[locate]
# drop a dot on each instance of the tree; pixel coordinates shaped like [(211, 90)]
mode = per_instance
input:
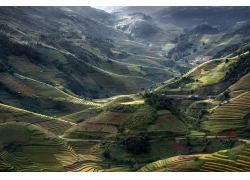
[(226, 95), (136, 144), (106, 153)]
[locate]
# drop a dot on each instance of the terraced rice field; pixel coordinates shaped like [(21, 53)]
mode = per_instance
[(39, 153), (22, 85), (170, 162), (113, 118), (82, 115), (73, 162), (217, 162), (84, 166), (53, 92), (118, 169), (167, 121), (12, 114), (19, 161), (22, 63), (229, 115), (15, 84), (82, 147), (91, 130), (5, 167)]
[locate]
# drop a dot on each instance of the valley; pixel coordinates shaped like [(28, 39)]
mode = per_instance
[(135, 89)]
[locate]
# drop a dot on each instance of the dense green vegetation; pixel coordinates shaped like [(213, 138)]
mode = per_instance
[(141, 118), (136, 144)]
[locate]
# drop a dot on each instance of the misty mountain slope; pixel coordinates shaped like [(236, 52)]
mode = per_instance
[(138, 9), (55, 20), (223, 18)]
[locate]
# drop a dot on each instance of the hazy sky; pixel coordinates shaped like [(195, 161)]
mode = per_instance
[(102, 3)]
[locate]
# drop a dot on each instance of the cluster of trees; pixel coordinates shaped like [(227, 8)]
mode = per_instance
[(157, 101), (81, 53), (238, 69), (241, 50), (124, 108), (8, 47), (5, 66), (7, 28), (227, 50), (245, 31), (123, 55), (169, 63), (136, 144), (234, 50), (203, 29), (180, 50)]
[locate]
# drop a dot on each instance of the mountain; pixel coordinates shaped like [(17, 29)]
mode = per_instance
[(222, 17), (163, 89), (138, 9)]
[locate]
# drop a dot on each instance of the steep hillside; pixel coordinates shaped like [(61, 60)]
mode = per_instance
[(144, 89)]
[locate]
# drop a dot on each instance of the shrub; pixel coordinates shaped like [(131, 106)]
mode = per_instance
[(106, 153), (136, 144)]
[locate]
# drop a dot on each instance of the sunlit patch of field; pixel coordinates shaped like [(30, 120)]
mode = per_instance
[(134, 102), (196, 134), (208, 73), (207, 38)]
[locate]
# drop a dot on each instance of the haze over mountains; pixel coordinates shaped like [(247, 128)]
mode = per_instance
[(125, 89)]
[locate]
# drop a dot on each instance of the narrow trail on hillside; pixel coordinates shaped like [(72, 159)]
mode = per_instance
[(84, 140)]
